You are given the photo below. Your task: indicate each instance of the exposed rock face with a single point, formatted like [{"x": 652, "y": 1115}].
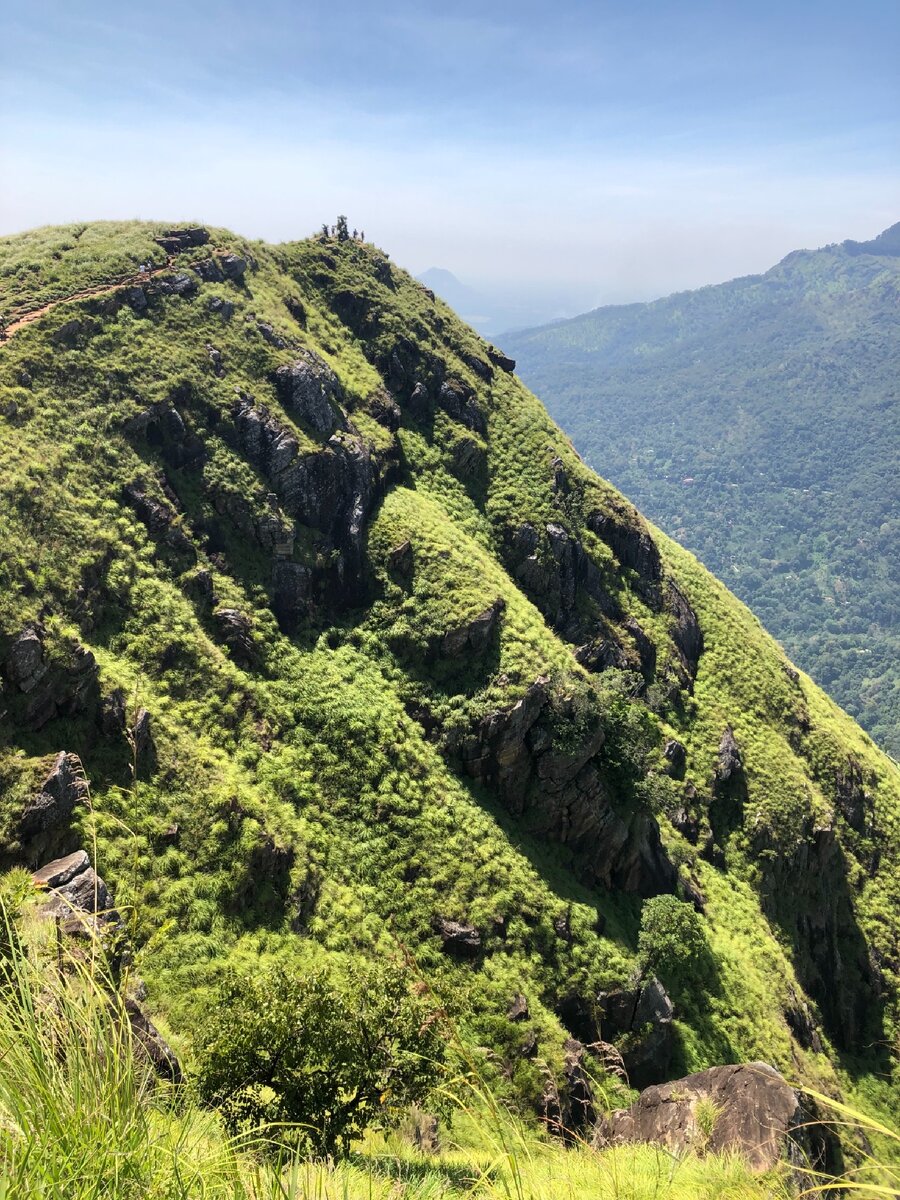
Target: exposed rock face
[
  {"x": 676, "y": 756},
  {"x": 759, "y": 1116},
  {"x": 150, "y": 1042},
  {"x": 460, "y": 401},
  {"x": 43, "y": 686},
  {"x": 633, "y": 546},
  {"x": 476, "y": 635},
  {"x": 44, "y": 824},
  {"x": 310, "y": 388},
  {"x": 158, "y": 516},
  {"x": 553, "y": 567},
  {"x": 332, "y": 490},
  {"x": 555, "y": 785},
  {"x": 501, "y": 360},
  {"x": 518, "y": 1009},
  {"x": 175, "y": 240},
  {"x": 233, "y": 267},
  {"x": 730, "y": 764},
  {"x": 460, "y": 940},
  {"x": 686, "y": 633},
  {"x": 805, "y": 892},
  {"x": 639, "y": 1021},
  {"x": 74, "y": 887},
  {"x": 234, "y": 628}
]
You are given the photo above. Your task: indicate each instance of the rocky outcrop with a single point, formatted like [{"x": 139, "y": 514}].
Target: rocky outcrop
[
  {"x": 159, "y": 517},
  {"x": 173, "y": 241},
  {"x": 75, "y": 887},
  {"x": 554, "y": 569},
  {"x": 686, "y": 632},
  {"x": 331, "y": 490},
  {"x": 748, "y": 1109},
  {"x": 458, "y": 938},
  {"x": 476, "y": 635},
  {"x": 639, "y": 1022},
  {"x": 538, "y": 756},
  {"x": 43, "y": 685},
  {"x": 44, "y": 828},
  {"x": 235, "y": 630},
  {"x": 309, "y": 388},
  {"x": 501, "y": 360},
  {"x": 460, "y": 402},
  {"x": 729, "y": 763},
  {"x": 805, "y": 891},
  {"x": 151, "y": 1045},
  {"x": 630, "y": 541}
]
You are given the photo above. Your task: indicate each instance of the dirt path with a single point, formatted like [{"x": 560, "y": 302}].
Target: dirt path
[{"x": 15, "y": 323}]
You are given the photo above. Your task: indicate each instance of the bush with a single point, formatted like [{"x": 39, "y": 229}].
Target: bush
[
  {"x": 322, "y": 1062},
  {"x": 672, "y": 942}
]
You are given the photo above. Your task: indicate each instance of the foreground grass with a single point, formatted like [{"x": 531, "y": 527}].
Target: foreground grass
[{"x": 82, "y": 1117}]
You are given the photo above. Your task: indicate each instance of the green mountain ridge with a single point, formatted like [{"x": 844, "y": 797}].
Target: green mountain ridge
[
  {"x": 757, "y": 422},
  {"x": 361, "y": 661}
]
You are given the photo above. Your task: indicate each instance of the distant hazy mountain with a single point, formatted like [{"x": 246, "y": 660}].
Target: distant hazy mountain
[
  {"x": 491, "y": 312},
  {"x": 758, "y": 422}
]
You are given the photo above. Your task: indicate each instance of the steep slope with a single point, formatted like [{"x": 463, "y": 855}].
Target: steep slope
[
  {"x": 758, "y": 422},
  {"x": 360, "y": 659}
]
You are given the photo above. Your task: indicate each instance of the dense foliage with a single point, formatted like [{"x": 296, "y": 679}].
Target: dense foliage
[
  {"x": 757, "y": 422},
  {"x": 384, "y": 674},
  {"x": 303, "y": 1061}
]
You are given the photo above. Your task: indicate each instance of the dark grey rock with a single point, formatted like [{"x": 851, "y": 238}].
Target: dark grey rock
[
  {"x": 309, "y": 388},
  {"x": 499, "y": 359},
  {"x": 233, "y": 266},
  {"x": 730, "y": 762},
  {"x": 459, "y": 939}
]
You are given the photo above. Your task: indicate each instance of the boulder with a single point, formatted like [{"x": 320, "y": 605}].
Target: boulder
[
  {"x": 458, "y": 399},
  {"x": 75, "y": 887},
  {"x": 747, "y": 1108},
  {"x": 309, "y": 388},
  {"x": 460, "y": 940}
]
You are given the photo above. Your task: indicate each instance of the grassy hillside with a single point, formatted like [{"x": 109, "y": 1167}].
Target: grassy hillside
[
  {"x": 363, "y": 663},
  {"x": 757, "y": 422}
]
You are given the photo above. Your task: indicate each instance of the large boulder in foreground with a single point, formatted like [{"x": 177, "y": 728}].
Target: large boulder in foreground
[{"x": 748, "y": 1108}]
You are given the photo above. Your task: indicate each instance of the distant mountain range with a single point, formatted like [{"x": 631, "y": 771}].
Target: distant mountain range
[
  {"x": 491, "y": 312},
  {"x": 758, "y": 422}
]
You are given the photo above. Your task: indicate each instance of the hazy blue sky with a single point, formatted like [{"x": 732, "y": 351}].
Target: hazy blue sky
[{"x": 600, "y": 151}]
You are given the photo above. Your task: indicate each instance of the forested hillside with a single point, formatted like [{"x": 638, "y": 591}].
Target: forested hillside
[
  {"x": 757, "y": 422},
  {"x": 320, "y": 639}
]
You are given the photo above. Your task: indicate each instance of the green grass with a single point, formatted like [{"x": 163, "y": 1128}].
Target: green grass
[{"x": 322, "y": 778}]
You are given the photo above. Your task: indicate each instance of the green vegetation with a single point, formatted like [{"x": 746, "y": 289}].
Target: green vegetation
[
  {"x": 373, "y": 676},
  {"x": 324, "y": 1063},
  {"x": 756, "y": 422}
]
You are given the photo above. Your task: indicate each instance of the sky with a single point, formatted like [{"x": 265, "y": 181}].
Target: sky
[{"x": 569, "y": 153}]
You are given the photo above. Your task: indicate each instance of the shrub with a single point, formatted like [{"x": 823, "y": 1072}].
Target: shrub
[
  {"x": 319, "y": 1061},
  {"x": 672, "y": 942}
]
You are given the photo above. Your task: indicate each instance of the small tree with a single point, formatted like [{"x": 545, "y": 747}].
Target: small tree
[
  {"x": 341, "y": 229},
  {"x": 283, "y": 1049},
  {"x": 672, "y": 943}
]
